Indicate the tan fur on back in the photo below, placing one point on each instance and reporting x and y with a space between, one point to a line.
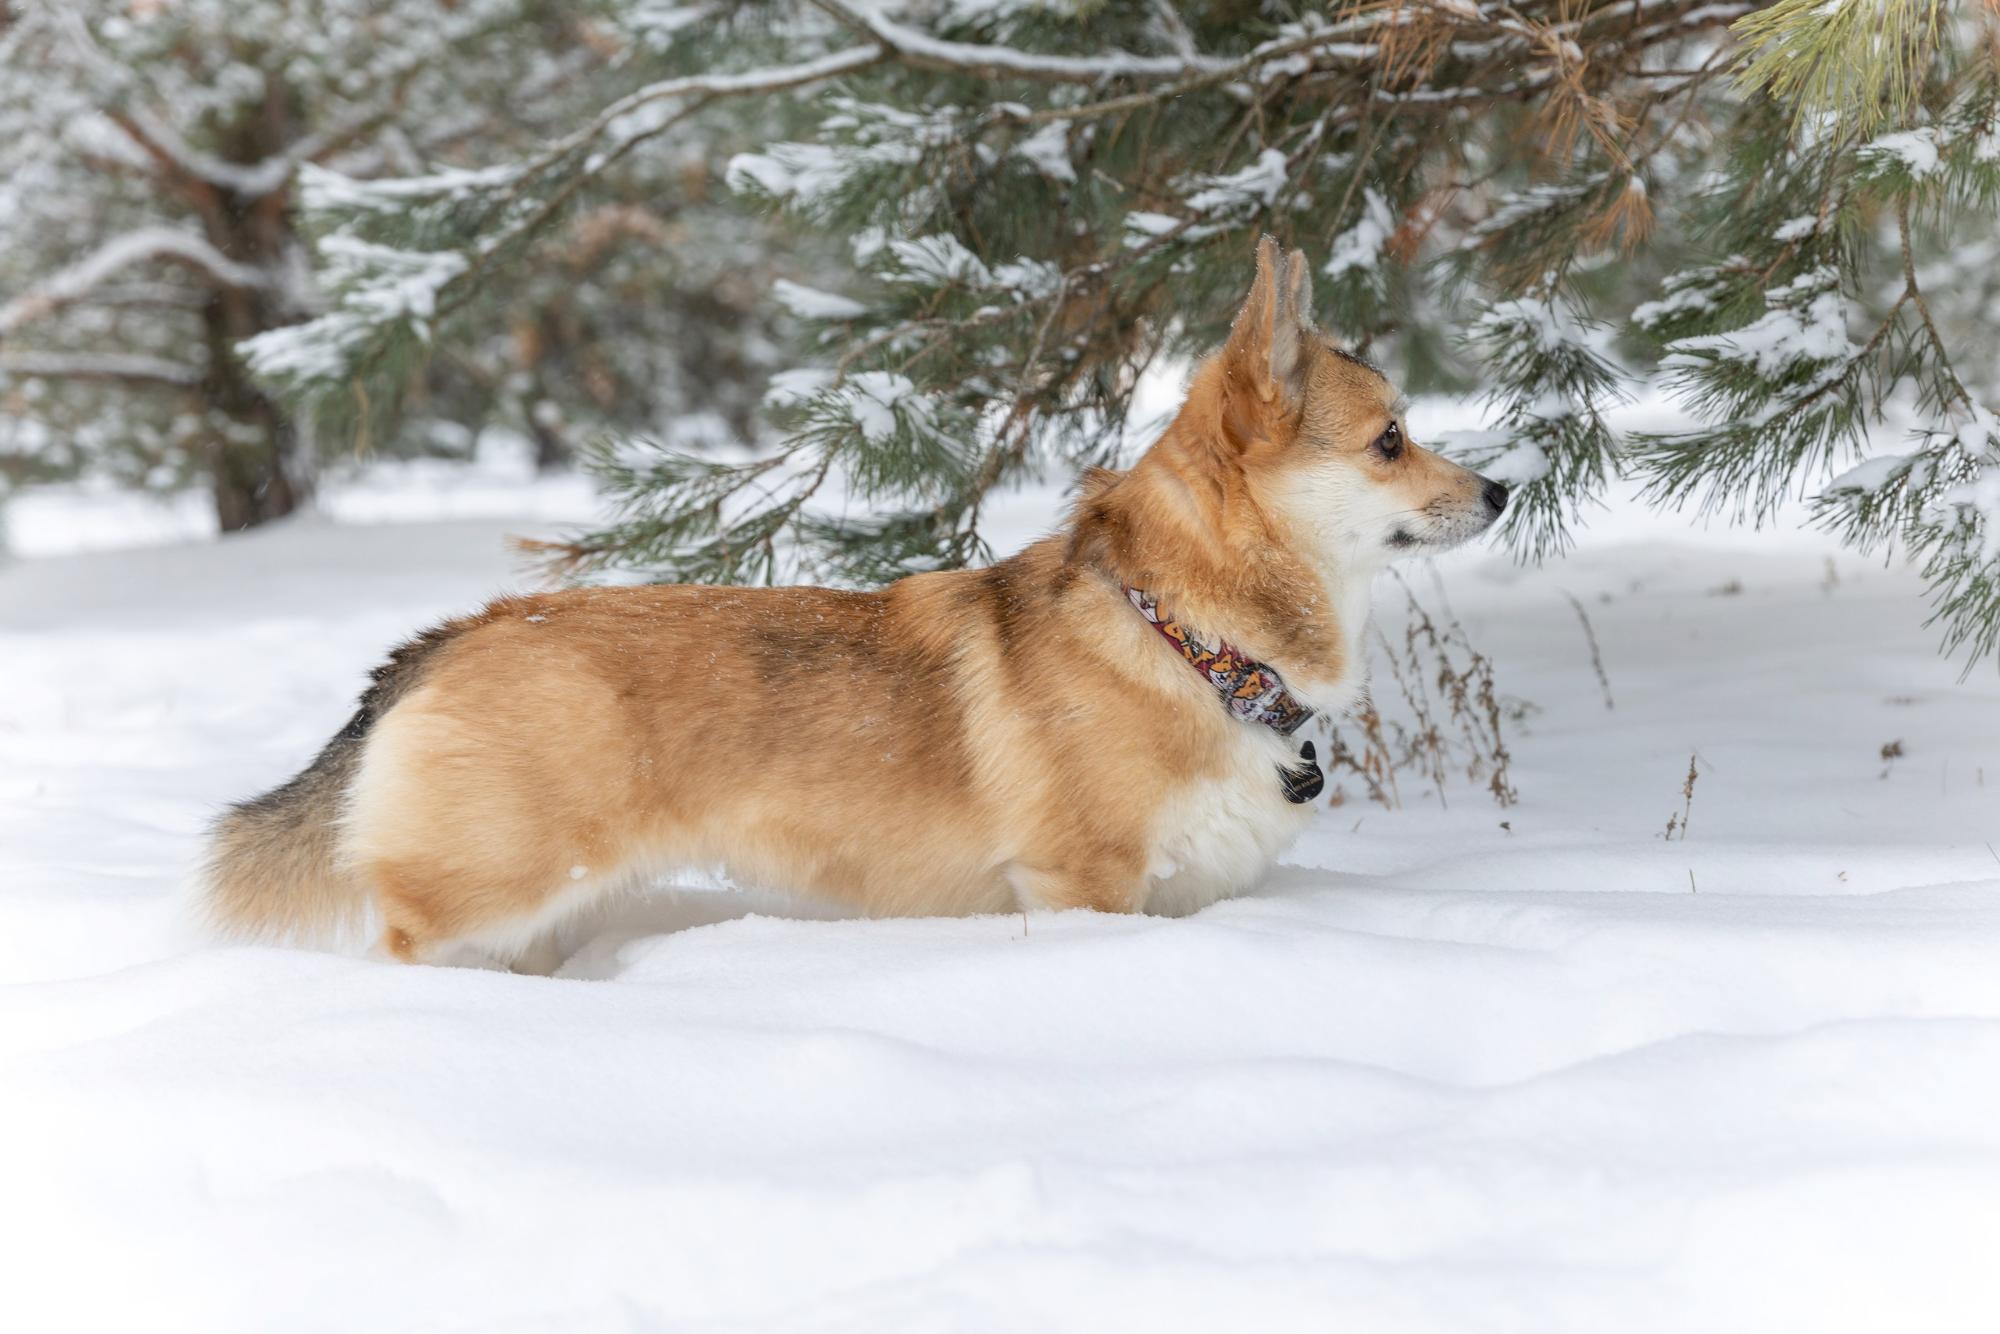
960 742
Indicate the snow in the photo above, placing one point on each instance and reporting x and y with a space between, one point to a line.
1256 185
30 365
1145 224
1806 324
810 303
875 400
92 516
792 387
805 174
1360 246
322 189
920 47
776 78
1796 229
648 110
1518 208
1552 321
380 286
938 260
399 284
1975 432
1029 279
658 23
134 247
1440 1073
1512 463
1871 475
1916 151
246 181
1978 499
1047 150
805 170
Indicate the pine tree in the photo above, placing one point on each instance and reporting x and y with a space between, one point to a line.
1786 212
151 154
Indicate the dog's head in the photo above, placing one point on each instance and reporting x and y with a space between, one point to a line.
1320 439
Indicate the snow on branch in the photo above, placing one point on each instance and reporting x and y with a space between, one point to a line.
121 367
323 190
383 294
647 111
76 282
619 117
115 86
1556 378
382 290
245 180
625 122
911 47
1297 48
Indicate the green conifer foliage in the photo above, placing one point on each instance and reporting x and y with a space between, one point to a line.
1006 210
163 166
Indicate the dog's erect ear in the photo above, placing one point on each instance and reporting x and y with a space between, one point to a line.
1267 343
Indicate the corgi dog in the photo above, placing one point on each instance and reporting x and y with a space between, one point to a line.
1106 720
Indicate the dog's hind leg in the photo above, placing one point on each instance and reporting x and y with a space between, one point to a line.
411 899
477 835
427 909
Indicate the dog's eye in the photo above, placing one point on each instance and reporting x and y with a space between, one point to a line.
1390 443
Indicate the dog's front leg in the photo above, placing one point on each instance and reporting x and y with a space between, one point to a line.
1103 884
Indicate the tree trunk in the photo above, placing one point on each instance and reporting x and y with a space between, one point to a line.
248 475
552 449
250 439
252 469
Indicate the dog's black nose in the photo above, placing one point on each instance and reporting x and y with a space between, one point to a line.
1496 497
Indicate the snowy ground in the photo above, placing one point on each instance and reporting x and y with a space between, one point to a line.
1439 1074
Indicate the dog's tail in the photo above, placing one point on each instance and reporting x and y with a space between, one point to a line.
274 869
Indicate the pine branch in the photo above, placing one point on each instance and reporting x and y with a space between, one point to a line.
1041 199
1913 293
1866 62
919 50
104 367
1552 446
74 283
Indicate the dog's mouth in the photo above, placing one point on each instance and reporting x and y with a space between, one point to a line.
1440 529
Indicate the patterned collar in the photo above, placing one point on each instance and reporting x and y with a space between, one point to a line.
1249 689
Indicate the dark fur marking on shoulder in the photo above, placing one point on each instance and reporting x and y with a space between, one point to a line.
784 649
1006 603
1097 538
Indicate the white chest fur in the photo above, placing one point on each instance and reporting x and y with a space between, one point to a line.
1219 835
